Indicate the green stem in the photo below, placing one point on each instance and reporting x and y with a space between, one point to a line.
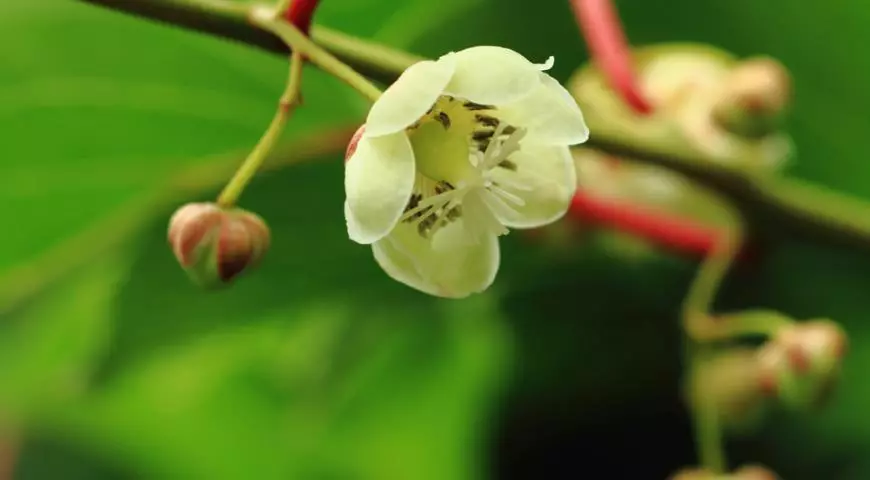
230 20
708 436
771 206
282 6
751 323
254 161
266 19
697 310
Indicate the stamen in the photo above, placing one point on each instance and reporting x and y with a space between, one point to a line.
477 106
443 119
480 135
506 195
486 120
425 225
508 165
437 201
442 187
496 204
498 151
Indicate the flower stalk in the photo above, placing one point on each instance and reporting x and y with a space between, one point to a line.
666 230
601 28
696 309
289 100
264 17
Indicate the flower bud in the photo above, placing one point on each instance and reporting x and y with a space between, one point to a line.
801 365
729 382
215 245
750 472
754 472
693 474
754 98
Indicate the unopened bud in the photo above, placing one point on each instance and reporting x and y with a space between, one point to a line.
729 382
754 472
354 140
214 245
693 474
751 472
801 365
754 98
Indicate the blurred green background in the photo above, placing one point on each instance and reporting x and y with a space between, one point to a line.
317 366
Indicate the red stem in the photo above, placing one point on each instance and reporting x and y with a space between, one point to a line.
300 14
602 30
666 230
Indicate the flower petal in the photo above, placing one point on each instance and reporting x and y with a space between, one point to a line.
493 75
409 97
548 181
448 266
550 114
378 180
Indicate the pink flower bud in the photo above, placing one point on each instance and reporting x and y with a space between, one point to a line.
750 472
754 472
214 245
754 97
801 365
693 474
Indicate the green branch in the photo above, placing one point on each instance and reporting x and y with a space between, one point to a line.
230 20
771 206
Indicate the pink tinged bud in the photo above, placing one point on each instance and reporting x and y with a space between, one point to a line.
351 146
754 98
693 474
750 472
801 365
213 245
754 472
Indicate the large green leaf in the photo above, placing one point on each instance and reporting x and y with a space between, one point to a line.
191 376
316 366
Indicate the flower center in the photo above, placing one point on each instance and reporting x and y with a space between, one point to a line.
441 140
456 144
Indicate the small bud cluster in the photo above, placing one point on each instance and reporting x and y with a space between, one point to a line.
215 245
729 109
797 367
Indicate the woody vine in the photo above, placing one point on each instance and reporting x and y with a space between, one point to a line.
441 169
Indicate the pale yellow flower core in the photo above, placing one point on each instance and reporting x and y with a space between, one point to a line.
456 144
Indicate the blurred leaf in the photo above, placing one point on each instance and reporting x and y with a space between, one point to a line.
49 350
295 371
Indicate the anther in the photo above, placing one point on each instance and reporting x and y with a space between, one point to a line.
480 135
443 119
477 106
486 120
508 165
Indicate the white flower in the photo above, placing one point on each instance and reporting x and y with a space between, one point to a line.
454 153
